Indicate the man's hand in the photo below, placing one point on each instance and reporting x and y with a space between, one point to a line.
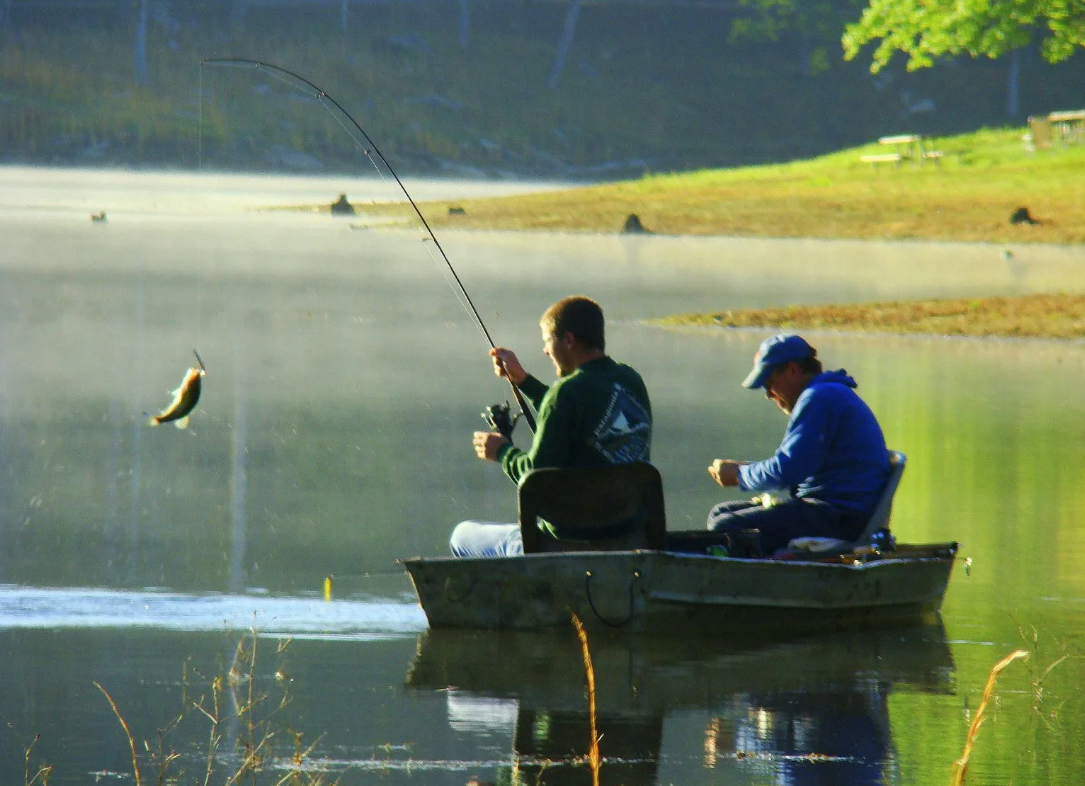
507 366
725 471
487 443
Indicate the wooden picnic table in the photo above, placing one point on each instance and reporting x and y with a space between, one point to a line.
907 147
1064 127
1069 125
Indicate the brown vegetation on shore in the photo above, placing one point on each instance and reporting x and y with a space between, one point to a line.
1028 316
983 179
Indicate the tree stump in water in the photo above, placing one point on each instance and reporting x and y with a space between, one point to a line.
341 207
633 226
1022 216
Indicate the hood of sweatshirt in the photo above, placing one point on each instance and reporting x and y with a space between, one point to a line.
838 377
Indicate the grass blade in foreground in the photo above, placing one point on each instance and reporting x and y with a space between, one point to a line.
960 767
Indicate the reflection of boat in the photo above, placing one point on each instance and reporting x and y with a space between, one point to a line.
816 705
657 674
663 592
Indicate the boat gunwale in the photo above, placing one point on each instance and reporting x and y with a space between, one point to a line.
885 558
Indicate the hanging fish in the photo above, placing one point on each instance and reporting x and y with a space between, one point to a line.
185 398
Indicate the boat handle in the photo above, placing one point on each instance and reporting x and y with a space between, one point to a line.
591 603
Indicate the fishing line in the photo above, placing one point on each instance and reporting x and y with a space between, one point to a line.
277 72
328 584
465 305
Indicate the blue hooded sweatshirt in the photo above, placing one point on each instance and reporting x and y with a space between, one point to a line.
833 449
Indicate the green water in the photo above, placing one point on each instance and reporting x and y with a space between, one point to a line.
333 437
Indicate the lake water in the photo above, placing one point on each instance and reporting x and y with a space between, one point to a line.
344 378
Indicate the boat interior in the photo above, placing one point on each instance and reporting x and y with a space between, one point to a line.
620 508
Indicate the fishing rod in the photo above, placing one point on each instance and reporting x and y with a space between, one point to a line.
326 586
279 73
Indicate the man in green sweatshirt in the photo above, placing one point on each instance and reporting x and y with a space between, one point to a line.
596 414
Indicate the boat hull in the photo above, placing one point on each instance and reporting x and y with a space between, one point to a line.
663 592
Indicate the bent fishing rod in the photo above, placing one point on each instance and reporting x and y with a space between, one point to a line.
305 85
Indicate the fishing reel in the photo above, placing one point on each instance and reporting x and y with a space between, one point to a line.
500 419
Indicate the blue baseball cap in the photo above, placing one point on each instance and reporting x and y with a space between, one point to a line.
772 352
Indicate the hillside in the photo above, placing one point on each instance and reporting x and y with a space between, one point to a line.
970 193
641 88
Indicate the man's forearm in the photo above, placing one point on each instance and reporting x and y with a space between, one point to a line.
534 390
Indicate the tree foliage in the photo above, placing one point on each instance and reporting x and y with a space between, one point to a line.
927 29
817 22
768 20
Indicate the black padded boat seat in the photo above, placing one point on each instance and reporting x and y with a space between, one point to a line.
593 508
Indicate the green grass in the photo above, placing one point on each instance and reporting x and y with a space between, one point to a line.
982 178
644 90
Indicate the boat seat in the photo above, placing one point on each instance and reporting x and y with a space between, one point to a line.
879 519
611 508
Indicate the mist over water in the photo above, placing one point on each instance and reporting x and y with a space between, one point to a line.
344 379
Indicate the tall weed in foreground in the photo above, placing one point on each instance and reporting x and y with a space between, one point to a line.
589 670
41 774
1061 653
234 705
960 767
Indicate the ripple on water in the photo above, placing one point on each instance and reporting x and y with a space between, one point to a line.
297 617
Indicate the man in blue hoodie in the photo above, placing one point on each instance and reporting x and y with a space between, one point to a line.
833 459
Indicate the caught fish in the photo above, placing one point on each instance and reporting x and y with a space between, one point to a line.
185 398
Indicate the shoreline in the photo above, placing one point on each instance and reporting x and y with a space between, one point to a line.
986 188
1035 317
868 334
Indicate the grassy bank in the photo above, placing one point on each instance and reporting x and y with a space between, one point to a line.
1028 316
468 90
981 180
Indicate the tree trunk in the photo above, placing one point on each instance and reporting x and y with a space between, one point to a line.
141 45
806 53
465 24
1013 85
566 41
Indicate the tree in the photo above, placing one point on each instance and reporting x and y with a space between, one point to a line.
817 23
141 45
928 29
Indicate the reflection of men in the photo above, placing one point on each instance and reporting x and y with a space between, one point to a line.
824 735
833 458
596 414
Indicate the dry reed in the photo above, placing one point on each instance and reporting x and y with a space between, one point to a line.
43 771
593 753
257 718
131 742
1060 316
960 767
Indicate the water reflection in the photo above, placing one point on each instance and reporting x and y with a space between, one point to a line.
809 712
76 608
317 450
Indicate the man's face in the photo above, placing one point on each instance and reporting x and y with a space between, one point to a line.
559 350
784 386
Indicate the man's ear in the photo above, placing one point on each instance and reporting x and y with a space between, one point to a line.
568 340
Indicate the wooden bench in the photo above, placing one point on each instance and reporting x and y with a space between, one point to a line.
1068 126
910 147
883 158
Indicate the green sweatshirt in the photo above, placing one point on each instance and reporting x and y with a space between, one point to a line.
597 416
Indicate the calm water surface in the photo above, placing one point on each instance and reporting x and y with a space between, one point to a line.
333 438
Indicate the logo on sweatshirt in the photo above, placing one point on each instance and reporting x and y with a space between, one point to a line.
623 434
